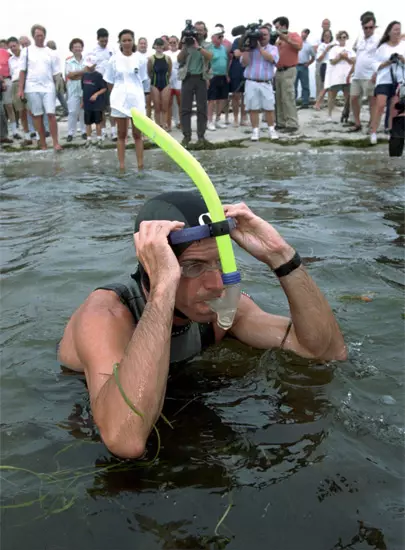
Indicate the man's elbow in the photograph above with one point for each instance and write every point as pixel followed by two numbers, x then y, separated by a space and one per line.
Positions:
pixel 123 448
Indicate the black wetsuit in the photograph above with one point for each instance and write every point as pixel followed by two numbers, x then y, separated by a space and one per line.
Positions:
pixel 187 341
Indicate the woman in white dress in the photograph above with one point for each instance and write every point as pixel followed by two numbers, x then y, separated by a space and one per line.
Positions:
pixel 175 84
pixel 322 56
pixel 341 60
pixel 125 73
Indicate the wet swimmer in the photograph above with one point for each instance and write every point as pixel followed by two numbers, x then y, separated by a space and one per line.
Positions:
pixel 161 315
pixel 125 75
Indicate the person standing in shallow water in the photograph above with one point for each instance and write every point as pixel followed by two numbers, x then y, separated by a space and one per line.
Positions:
pixel 125 75
pixel 159 71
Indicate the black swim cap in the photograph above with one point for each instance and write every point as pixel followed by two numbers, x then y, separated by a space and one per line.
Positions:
pixel 182 206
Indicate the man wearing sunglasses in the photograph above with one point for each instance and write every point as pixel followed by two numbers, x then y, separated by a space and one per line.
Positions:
pixel 363 70
pixel 163 315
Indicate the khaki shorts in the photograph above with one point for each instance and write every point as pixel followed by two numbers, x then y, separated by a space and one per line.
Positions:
pixel 7 99
pixel 19 106
pixel 362 87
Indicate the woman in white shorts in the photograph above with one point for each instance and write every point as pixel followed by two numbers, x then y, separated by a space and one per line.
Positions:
pixel 175 83
pixel 125 74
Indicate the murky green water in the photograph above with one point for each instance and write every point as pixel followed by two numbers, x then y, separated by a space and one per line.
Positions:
pixel 310 456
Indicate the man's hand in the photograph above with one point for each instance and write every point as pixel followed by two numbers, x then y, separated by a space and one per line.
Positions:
pixel 258 237
pixel 195 43
pixel 93 97
pixel 154 252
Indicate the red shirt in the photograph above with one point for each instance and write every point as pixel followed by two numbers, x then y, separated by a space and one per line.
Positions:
pixel 4 68
pixel 288 54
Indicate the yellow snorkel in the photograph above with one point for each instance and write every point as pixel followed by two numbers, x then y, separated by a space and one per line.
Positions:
pixel 227 304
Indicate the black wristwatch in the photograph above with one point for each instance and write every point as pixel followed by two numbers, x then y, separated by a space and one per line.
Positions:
pixel 288 267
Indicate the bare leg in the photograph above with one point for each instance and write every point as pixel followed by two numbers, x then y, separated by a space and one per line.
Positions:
pixel 156 104
pixel 53 128
pixel 211 105
pixel 178 99
pixel 99 128
pixel 169 113
pixel 88 130
pixel 269 118
pixel 331 101
pixel 254 118
pixel 355 100
pixel 10 112
pixel 235 107
pixel 138 146
pixel 381 101
pixel 165 95
pixel 122 125
pixel 372 104
pixel 148 98
pixel 40 128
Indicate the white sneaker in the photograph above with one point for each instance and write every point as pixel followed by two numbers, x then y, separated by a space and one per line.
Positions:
pixel 373 139
pixel 211 127
pixel 272 133
pixel 220 125
pixel 330 119
pixel 255 135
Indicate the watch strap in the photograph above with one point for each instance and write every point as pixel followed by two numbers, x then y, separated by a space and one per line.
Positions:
pixel 288 267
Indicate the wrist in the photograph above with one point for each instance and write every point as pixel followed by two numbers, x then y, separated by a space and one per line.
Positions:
pixel 165 290
pixel 283 255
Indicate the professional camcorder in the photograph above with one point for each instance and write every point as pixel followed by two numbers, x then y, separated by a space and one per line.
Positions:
pixel 250 35
pixel 189 34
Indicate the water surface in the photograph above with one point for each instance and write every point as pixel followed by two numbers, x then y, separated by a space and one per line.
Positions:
pixel 310 456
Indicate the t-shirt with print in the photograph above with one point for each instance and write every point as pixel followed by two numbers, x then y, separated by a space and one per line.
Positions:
pixel 43 65
pixel 92 83
pixel 219 61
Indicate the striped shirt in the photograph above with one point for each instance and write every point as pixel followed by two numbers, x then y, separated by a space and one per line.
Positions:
pixel 259 68
pixel 74 87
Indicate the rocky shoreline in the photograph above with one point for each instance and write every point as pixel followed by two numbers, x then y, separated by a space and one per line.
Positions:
pixel 315 131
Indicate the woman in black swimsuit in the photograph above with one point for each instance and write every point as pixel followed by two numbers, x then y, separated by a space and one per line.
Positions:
pixel 160 70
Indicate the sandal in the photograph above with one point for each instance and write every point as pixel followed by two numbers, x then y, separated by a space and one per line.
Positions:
pixel 355 129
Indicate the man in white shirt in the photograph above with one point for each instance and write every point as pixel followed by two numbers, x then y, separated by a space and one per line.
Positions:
pixel 102 52
pixel 306 56
pixel 38 67
pixel 19 106
pixel 363 70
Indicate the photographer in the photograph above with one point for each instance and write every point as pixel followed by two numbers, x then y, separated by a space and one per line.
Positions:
pixel 194 72
pixel 289 44
pixel 260 64
pixel 390 59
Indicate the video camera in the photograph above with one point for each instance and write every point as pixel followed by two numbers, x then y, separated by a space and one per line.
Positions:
pixel 189 34
pixel 250 35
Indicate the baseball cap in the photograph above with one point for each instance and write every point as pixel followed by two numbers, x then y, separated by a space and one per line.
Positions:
pixel 90 60
pixel 218 31
pixel 183 206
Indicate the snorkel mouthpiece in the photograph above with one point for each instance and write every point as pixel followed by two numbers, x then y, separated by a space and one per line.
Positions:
pixel 227 304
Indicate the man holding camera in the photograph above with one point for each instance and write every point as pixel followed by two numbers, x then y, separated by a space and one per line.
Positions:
pixel 259 95
pixel 289 44
pixel 194 72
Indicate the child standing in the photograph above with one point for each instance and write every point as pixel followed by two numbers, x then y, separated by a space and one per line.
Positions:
pixel 94 89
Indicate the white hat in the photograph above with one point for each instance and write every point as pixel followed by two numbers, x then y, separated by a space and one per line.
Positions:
pixel 218 31
pixel 90 60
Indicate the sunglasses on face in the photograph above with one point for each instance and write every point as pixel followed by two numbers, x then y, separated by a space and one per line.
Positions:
pixel 368 28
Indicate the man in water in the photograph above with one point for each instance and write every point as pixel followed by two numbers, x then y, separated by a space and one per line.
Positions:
pixel 162 317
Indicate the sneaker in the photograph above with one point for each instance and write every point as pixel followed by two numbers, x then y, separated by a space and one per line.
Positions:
pixel 16 136
pixel 373 139
pixel 255 135
pixel 220 125
pixel 272 133
pixel 211 127
pixel 69 139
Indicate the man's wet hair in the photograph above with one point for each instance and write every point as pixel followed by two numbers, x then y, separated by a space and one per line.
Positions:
pixel 102 33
